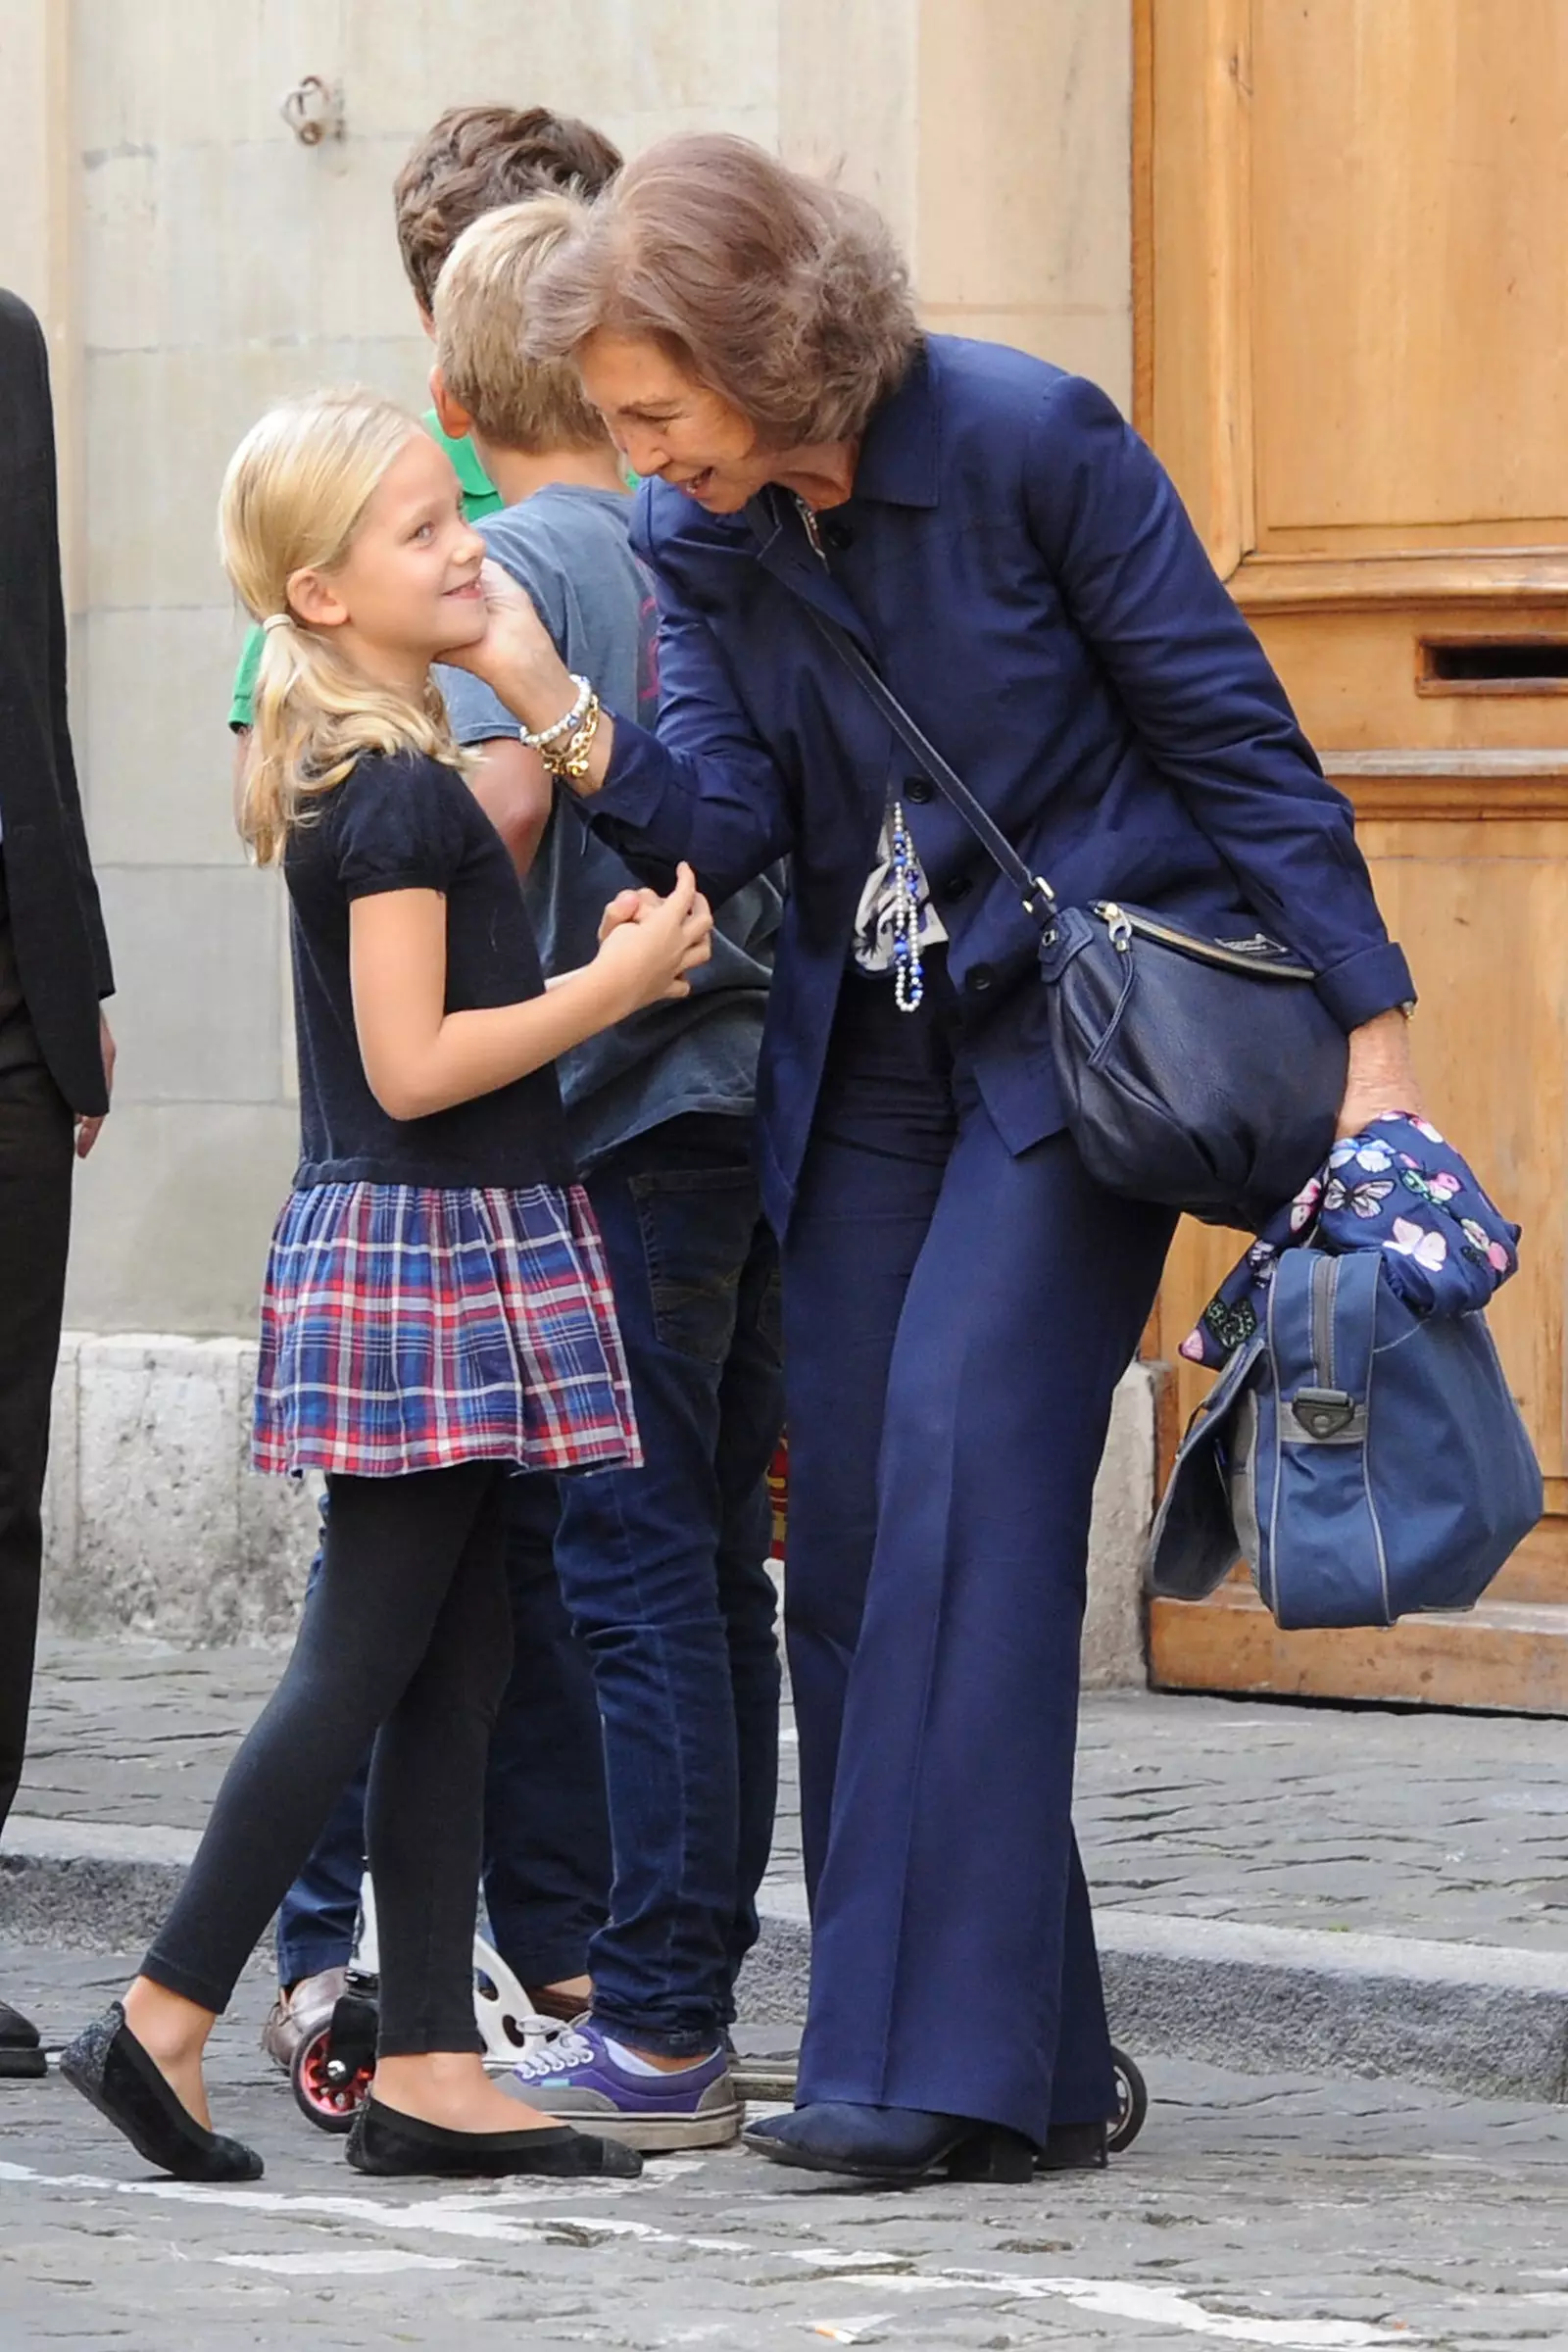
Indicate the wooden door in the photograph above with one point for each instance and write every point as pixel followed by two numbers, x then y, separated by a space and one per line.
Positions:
pixel 1351 243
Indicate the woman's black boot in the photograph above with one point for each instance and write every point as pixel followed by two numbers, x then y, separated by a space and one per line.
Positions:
pixel 108 2065
pixel 389 2143
pixel 901 2145
pixel 1076 2149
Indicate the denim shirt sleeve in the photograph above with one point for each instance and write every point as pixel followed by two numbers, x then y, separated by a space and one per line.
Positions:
pixel 1199 689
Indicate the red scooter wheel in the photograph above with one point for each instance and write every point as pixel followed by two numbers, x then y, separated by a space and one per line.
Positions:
pixel 327 2095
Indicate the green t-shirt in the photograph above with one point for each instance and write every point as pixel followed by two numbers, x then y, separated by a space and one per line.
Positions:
pixel 480 497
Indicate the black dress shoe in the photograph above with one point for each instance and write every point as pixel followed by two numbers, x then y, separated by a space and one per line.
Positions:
pixel 1076 2149
pixel 897 2144
pixel 21 2057
pixel 108 2065
pixel 386 2141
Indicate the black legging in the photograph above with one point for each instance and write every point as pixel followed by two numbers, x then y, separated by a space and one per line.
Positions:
pixel 407 1637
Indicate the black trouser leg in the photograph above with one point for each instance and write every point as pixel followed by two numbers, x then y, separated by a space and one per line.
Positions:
pixel 424 1809
pixel 398 1551
pixel 36 1146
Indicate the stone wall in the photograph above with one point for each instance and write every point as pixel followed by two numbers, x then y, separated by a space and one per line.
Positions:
pixel 193 261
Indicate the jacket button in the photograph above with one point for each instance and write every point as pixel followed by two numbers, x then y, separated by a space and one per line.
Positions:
pixel 918 789
pixel 978 979
pixel 958 888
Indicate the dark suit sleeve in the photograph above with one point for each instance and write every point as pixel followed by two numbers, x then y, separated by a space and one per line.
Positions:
pixel 69 793
pixel 704 789
pixel 1200 692
pixel 92 914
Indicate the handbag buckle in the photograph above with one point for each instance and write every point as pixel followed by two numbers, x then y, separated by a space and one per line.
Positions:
pixel 1041 903
pixel 1118 930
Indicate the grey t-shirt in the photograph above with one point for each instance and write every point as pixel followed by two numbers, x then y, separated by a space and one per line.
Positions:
pixel 568 546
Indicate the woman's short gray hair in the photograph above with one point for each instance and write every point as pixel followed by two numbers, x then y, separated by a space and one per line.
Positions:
pixel 783 293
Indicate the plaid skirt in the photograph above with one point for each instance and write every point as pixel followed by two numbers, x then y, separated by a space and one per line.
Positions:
pixel 409 1328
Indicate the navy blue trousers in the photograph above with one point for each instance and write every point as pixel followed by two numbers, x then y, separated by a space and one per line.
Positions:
pixel 955 1321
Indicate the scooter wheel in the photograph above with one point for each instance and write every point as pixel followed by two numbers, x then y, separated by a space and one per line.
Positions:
pixel 1132 2102
pixel 323 2094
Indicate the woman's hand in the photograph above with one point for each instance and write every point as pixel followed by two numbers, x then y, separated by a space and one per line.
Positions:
pixel 1382 1075
pixel 515 656
pixel 651 942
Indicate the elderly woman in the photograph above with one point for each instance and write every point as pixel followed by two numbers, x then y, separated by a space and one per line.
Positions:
pixel 960 1298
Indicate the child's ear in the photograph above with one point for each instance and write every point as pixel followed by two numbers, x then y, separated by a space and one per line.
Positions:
pixel 314 598
pixel 456 422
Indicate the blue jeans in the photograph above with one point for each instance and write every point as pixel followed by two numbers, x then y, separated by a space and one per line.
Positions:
pixel 665 1573
pixel 547 1837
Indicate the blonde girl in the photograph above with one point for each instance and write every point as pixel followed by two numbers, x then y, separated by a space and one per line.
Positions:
pixel 436 1311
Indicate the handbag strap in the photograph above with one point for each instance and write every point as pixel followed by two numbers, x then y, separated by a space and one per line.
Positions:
pixel 1038 898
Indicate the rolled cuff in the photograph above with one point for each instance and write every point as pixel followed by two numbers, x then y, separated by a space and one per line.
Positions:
pixel 1373 981
pixel 635 787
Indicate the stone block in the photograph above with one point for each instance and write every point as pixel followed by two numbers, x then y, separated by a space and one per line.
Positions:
pixel 150 717
pixel 173 1213
pixel 1041 91
pixel 197 956
pixel 1086 341
pixel 161 425
pixel 849 99
pixel 165 1544
pixel 60 1511
pixel 1115 1656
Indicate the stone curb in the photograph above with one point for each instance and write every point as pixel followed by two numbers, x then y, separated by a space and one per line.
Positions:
pixel 1485 2020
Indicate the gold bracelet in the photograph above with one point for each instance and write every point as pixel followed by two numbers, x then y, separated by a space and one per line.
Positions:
pixel 570 758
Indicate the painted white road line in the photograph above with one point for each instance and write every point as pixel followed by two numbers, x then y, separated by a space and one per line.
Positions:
pixel 466 2215
pixel 362 2262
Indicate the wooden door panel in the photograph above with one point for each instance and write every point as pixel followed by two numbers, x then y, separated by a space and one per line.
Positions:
pixel 1409 242
pixel 1351 315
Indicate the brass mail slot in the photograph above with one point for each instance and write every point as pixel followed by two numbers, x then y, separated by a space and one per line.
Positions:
pixel 1491 665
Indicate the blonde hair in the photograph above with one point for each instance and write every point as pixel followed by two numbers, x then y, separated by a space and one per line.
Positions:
pixel 481 311
pixel 293 498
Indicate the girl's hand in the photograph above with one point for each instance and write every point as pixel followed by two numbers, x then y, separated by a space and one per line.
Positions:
pixel 515 656
pixel 651 945
pixel 1381 1077
pixel 624 908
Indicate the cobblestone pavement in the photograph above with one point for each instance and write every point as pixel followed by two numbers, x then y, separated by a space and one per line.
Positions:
pixel 1421 1824
pixel 1274 2212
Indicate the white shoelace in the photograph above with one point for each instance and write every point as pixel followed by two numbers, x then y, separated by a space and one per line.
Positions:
pixel 565 2049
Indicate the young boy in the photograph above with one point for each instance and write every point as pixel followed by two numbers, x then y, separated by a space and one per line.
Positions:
pixel 663 1569
pixel 546 1872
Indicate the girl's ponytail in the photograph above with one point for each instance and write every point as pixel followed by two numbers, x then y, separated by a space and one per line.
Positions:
pixel 292 499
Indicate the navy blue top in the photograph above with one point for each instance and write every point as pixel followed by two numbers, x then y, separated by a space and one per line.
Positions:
pixel 411 823
pixel 1019 565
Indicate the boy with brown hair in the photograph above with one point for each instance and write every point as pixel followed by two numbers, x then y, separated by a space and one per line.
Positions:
pixel 663 1570
pixel 547 1871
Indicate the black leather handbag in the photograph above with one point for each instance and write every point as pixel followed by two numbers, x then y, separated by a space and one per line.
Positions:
pixel 1202 1074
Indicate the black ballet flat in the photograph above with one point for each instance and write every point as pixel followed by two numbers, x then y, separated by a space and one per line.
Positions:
pixel 391 2144
pixel 898 2145
pixel 22 2057
pixel 108 2065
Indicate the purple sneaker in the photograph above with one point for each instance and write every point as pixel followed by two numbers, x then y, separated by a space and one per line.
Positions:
pixel 577 2076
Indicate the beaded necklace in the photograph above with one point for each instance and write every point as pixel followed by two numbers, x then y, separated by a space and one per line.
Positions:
pixel 909 966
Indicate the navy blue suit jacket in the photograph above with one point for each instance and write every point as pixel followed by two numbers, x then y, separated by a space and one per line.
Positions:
pixel 1020 567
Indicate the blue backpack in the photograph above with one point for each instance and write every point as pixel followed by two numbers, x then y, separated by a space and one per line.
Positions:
pixel 1365 1461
